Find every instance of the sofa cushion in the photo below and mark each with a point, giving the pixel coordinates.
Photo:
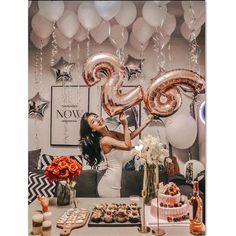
(33, 158)
(38, 184)
(131, 183)
(86, 184)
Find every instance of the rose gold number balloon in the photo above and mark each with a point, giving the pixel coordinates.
(163, 98)
(108, 66)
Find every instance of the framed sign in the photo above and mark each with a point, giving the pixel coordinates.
(68, 104)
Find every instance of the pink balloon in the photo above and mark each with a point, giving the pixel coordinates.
(62, 41)
(169, 24)
(119, 36)
(81, 34)
(41, 26)
(38, 42)
(113, 101)
(68, 24)
(136, 44)
(186, 32)
(194, 23)
(101, 33)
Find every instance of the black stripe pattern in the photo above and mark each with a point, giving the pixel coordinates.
(38, 184)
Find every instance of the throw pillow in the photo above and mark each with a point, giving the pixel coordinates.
(38, 184)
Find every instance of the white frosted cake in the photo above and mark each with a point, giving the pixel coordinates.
(170, 206)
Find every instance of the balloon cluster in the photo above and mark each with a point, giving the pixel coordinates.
(162, 98)
(194, 18)
(92, 17)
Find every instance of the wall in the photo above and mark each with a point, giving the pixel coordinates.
(179, 59)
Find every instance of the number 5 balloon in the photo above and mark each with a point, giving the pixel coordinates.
(113, 101)
(163, 98)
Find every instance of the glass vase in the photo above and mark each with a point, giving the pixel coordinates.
(151, 180)
(65, 194)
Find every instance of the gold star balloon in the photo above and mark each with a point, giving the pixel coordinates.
(37, 106)
(62, 70)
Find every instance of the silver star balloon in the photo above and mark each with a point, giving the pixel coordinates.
(62, 70)
(133, 66)
(37, 106)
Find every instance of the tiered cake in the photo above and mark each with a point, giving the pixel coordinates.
(170, 206)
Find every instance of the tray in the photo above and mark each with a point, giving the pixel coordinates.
(113, 224)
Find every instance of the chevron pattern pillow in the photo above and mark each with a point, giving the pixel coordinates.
(45, 160)
(38, 184)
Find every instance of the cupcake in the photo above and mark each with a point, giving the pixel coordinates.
(108, 218)
(96, 216)
(134, 216)
(121, 216)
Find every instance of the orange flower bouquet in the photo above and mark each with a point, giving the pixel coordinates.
(63, 169)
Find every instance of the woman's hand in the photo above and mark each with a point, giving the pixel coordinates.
(123, 119)
(149, 119)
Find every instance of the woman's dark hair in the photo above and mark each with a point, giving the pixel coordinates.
(89, 140)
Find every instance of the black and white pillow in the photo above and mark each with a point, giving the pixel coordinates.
(45, 160)
(38, 184)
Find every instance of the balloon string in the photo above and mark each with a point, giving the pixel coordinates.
(36, 138)
(159, 43)
(41, 67)
(54, 45)
(194, 48)
(36, 80)
(88, 45)
(141, 56)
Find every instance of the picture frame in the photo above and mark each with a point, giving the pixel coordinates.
(68, 104)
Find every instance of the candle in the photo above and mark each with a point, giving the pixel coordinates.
(47, 228)
(47, 215)
(37, 221)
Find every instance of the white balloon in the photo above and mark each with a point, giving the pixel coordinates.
(153, 14)
(196, 167)
(136, 44)
(198, 7)
(126, 14)
(119, 36)
(62, 41)
(81, 34)
(161, 3)
(194, 23)
(41, 26)
(142, 30)
(38, 42)
(186, 32)
(101, 33)
(52, 10)
(107, 9)
(181, 131)
(68, 24)
(169, 24)
(88, 16)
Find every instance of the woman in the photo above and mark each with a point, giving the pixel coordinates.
(98, 142)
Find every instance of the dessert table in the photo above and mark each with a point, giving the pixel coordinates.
(89, 203)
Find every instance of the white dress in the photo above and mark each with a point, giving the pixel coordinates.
(110, 183)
